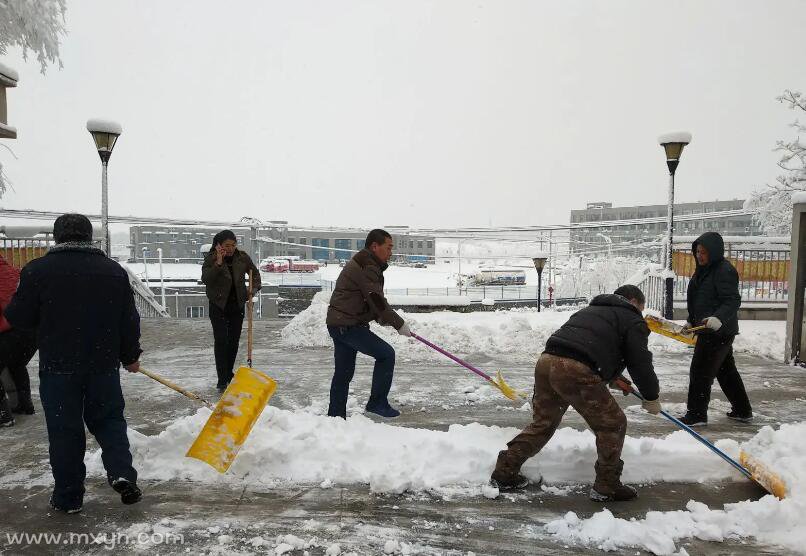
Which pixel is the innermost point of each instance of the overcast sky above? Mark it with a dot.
(366, 113)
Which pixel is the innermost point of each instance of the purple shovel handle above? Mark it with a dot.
(482, 374)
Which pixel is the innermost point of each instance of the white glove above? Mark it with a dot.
(713, 323)
(652, 406)
(404, 330)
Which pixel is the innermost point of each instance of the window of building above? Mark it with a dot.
(419, 244)
(429, 244)
(195, 312)
(411, 245)
(303, 240)
(292, 240)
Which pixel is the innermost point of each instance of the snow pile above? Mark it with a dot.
(516, 334)
(297, 447)
(769, 520)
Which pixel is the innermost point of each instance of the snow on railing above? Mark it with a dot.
(144, 299)
(652, 281)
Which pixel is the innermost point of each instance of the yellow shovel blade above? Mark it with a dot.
(763, 475)
(506, 389)
(232, 419)
(670, 330)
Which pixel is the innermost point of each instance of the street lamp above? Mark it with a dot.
(105, 134)
(540, 263)
(673, 144)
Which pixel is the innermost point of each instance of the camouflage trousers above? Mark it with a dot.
(560, 382)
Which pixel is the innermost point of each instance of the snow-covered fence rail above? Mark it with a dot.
(144, 299)
(652, 281)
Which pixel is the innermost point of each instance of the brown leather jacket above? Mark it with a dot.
(358, 295)
(218, 280)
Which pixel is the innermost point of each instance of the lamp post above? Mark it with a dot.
(672, 144)
(162, 279)
(145, 265)
(105, 134)
(540, 264)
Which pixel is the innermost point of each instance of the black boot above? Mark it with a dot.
(506, 475)
(129, 492)
(6, 418)
(608, 486)
(25, 405)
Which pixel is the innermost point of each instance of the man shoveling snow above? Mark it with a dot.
(580, 359)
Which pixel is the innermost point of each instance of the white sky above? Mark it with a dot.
(366, 113)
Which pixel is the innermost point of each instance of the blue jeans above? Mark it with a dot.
(69, 401)
(347, 342)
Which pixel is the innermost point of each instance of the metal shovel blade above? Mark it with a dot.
(233, 417)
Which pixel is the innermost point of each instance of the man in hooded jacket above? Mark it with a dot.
(713, 300)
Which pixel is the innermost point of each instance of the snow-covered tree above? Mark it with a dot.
(33, 25)
(774, 202)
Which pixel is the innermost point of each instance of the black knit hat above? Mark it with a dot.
(72, 227)
(223, 236)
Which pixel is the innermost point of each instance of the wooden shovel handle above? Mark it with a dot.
(172, 386)
(249, 329)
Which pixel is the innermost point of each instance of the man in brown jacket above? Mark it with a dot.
(357, 300)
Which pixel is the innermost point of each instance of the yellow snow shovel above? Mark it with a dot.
(672, 330)
(763, 475)
(232, 418)
(236, 412)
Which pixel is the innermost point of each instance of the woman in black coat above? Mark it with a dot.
(225, 272)
(713, 300)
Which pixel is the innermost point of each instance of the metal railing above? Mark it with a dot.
(763, 273)
(20, 251)
(144, 298)
(763, 277)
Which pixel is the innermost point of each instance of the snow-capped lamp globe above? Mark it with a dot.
(540, 264)
(105, 133)
(673, 144)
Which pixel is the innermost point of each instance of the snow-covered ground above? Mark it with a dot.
(769, 520)
(287, 448)
(517, 334)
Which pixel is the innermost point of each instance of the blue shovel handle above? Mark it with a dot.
(739, 467)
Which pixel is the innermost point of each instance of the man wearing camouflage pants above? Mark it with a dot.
(580, 359)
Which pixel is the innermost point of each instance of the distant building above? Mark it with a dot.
(583, 239)
(325, 244)
(184, 244)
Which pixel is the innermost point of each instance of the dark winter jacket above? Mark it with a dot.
(219, 280)
(82, 305)
(609, 335)
(358, 295)
(713, 291)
